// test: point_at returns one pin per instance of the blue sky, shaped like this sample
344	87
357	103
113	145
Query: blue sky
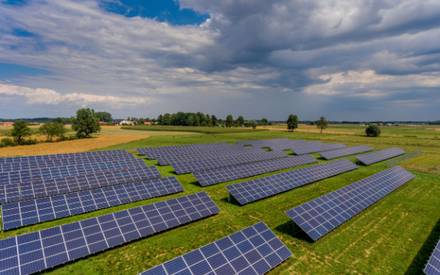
346	60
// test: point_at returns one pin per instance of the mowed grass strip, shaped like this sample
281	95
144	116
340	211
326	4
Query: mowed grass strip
384	239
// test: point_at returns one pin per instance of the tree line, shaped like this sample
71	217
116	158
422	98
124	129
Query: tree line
207	120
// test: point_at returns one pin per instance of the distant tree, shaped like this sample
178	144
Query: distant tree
229	121
292	122
20	131
214	120
52	129
253	124
322	123
372	131
86	123
240	121
264	121
104	117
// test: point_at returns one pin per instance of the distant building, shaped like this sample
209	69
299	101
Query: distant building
126	122
7	123
148	123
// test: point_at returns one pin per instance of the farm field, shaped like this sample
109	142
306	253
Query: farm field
394	236
109	135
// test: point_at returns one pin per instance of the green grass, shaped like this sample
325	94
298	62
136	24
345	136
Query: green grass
394	236
201	129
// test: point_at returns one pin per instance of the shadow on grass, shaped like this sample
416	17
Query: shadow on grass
290	228
420	260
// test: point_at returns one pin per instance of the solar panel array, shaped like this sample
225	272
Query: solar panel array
277	144
41	250
253	250
433	265
320	216
25	190
314	147
210	177
18	214
250	191
381	155
222	161
33	162
39	174
345	152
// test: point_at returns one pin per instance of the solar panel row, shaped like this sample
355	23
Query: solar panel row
320	216
39	174
378	156
207	164
18	214
83	155
253	250
180	158
345	152
250	191
41	250
61	162
314	147
20	191
193	149
223	174
433	265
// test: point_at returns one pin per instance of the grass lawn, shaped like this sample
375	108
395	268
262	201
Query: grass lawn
394	236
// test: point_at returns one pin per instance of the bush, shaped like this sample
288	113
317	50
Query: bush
20	131
52	129
5	142
372	131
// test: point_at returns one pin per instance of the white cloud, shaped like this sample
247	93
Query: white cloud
50	97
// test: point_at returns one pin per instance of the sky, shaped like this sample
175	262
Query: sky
345	60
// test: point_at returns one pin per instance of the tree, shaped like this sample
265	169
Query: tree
240	121
52	129
229	121
20	131
253	124
85	123
214	120
264	121
104	117
372	131
322	123
292	122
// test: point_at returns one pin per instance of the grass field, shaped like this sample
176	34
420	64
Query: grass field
394	236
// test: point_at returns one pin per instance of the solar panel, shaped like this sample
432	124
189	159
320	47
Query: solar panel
44	163
345	152
18	214
253	250
223	174
20	191
378	156
39	174
322	215
82	155
250	191
433	265
314	147
207	164
41	250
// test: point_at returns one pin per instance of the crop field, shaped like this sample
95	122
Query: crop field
394	236
109	135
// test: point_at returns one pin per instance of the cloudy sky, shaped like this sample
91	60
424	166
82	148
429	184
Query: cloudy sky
346	60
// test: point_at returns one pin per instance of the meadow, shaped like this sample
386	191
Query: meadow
394	236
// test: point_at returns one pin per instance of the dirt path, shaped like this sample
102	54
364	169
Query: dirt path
110	135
